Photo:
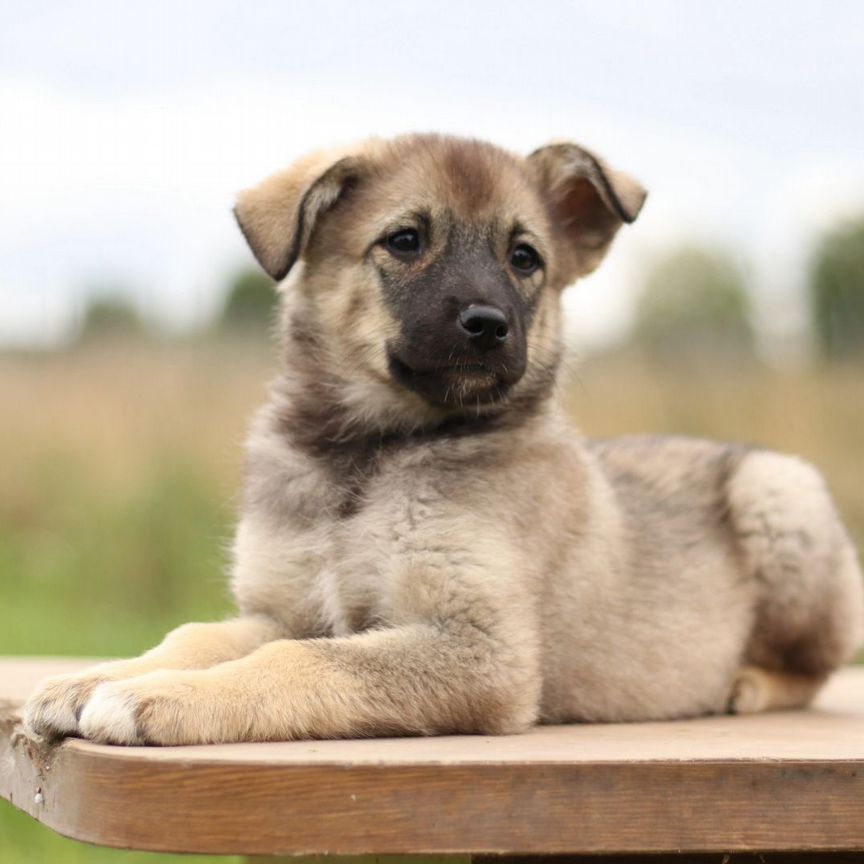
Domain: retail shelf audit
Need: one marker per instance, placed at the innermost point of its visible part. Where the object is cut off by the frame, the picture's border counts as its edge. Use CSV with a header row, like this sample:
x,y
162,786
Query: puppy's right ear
x,y
277,217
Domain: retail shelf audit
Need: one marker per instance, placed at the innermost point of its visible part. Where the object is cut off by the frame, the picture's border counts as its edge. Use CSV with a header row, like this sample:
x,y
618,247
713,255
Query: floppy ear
x,y
277,217
588,201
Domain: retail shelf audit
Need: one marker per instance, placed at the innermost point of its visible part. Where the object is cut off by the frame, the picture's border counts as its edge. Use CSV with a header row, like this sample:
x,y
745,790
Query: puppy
x,y
425,545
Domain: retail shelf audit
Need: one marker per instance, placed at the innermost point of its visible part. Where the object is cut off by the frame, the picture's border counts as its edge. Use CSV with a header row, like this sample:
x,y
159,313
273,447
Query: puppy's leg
x,y
757,690
56,705
810,613
417,679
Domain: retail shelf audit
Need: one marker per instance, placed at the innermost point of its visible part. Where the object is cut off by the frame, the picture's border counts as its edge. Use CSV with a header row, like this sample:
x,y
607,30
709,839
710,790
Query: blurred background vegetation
x,y
695,304
123,449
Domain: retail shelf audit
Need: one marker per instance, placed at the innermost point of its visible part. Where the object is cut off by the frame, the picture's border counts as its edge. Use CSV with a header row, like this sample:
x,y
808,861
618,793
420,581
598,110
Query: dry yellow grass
x,y
114,405
109,411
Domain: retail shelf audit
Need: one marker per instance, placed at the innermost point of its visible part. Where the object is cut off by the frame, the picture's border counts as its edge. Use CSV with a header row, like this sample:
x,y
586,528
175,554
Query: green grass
x,y
26,841
121,468
150,557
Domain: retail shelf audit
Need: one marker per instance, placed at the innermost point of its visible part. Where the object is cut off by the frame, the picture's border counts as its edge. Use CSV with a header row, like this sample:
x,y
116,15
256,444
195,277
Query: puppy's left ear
x,y
588,201
278,216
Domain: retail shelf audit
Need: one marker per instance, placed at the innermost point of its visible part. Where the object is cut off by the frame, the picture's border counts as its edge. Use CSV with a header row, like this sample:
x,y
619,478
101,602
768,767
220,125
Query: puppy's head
x,y
425,272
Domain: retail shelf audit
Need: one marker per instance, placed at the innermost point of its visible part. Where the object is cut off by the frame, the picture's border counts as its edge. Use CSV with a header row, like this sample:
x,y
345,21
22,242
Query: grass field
x,y
121,467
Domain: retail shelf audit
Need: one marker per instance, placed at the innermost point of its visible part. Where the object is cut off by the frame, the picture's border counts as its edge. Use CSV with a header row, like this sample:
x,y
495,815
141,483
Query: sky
x,y
128,129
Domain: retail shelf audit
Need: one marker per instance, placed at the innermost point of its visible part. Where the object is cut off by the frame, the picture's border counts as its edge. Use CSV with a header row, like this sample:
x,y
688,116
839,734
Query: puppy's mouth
x,y
457,384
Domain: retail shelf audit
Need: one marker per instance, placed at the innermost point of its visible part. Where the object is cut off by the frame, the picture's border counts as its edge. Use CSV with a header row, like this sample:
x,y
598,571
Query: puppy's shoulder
x,y
282,481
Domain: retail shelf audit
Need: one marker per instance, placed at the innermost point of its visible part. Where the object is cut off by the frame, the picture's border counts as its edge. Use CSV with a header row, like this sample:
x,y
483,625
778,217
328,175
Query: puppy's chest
x,y
367,528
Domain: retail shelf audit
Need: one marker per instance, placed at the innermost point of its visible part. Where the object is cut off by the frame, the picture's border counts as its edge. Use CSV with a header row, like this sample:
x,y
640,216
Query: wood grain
x,y
789,782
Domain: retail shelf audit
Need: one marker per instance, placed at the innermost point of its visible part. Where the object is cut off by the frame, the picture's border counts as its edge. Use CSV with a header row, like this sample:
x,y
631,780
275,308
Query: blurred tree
x,y
694,302
837,291
249,302
110,314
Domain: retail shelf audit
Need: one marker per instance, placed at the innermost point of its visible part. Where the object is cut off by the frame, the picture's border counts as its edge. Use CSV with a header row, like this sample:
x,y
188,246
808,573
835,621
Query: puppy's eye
x,y
404,242
525,259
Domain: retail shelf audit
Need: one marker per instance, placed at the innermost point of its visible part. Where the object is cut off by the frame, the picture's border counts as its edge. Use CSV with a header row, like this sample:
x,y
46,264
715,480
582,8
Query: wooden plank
x,y
780,782
709,858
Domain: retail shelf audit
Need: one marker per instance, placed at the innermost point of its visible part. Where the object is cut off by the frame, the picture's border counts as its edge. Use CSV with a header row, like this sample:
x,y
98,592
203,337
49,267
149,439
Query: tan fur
x,y
466,562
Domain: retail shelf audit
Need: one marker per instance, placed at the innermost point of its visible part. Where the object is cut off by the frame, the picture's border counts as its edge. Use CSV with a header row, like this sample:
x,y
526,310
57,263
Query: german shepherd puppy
x,y
426,546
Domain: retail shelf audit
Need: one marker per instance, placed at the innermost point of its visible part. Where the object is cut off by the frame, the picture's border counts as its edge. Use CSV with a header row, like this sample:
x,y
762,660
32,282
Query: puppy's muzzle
x,y
458,351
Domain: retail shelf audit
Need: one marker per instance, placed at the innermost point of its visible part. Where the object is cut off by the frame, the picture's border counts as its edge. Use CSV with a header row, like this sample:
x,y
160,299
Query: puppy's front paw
x,y
53,710
110,715
157,708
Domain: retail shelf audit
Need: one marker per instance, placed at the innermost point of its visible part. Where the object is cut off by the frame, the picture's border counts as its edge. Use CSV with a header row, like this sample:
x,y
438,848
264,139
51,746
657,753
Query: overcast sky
x,y
129,126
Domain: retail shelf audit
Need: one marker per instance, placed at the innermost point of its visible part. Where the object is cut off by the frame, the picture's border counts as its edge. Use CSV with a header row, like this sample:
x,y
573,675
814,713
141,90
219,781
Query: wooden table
x,y
773,783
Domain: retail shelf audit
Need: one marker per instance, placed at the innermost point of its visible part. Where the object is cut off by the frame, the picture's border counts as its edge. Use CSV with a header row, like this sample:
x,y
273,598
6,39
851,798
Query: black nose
x,y
485,326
